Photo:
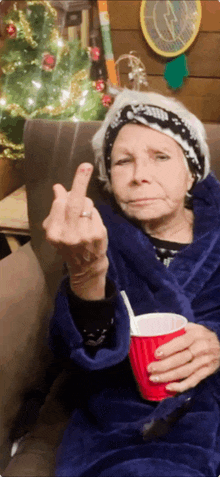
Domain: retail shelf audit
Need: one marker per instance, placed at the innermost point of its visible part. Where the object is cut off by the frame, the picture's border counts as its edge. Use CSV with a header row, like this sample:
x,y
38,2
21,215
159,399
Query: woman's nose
x,y
142,172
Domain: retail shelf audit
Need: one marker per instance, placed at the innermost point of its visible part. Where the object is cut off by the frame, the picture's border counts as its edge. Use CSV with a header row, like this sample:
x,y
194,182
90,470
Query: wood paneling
x,y
200,96
201,90
210,16
203,56
125,15
125,41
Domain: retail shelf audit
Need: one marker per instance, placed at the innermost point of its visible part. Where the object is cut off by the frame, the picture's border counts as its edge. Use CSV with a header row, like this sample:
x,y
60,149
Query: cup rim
x,y
150,315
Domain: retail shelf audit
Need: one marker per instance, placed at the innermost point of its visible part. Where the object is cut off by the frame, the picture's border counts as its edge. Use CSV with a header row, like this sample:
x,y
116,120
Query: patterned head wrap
x,y
164,121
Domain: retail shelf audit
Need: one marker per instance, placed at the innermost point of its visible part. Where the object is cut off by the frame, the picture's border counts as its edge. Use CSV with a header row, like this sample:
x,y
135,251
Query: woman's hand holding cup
x,y
153,332
186,360
75,227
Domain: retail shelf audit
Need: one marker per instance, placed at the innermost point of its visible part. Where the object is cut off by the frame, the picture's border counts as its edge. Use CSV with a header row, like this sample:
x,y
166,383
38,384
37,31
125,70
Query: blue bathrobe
x,y
113,430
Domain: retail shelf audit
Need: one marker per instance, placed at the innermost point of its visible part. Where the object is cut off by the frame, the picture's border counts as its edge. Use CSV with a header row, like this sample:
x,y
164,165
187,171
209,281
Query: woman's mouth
x,y
142,201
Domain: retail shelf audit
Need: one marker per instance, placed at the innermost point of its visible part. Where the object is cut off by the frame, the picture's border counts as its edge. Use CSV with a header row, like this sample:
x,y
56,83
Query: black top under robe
x,y
96,318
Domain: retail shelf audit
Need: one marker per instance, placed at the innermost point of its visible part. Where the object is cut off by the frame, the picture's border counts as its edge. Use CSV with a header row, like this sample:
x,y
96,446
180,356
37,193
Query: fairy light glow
x,y
82,102
65,95
37,84
2,102
30,101
60,42
86,91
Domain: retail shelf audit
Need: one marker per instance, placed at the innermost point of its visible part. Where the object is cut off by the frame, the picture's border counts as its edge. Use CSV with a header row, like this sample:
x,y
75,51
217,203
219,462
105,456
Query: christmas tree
x,y
44,76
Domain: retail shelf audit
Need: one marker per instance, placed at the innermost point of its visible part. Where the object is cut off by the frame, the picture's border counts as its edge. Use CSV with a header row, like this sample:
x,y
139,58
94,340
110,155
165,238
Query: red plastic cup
x,y
155,329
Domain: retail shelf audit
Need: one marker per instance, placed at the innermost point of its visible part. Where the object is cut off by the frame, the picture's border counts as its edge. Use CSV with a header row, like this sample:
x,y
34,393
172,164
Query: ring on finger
x,y
86,214
191,356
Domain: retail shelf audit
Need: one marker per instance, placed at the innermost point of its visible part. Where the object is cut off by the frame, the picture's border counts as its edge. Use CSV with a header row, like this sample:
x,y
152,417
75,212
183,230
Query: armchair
x,y
29,281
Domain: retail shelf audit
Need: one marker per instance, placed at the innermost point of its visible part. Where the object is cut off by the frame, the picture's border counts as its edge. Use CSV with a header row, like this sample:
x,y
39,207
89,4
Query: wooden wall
x,y
201,90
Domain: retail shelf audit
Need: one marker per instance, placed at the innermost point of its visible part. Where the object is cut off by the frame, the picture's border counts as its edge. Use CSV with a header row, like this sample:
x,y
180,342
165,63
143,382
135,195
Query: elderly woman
x,y
157,238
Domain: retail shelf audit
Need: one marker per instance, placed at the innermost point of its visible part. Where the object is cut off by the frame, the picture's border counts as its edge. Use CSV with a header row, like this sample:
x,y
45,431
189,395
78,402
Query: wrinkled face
x,y
149,175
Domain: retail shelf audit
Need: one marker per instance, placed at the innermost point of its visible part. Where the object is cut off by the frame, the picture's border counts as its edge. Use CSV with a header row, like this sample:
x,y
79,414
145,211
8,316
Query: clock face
x,y
170,26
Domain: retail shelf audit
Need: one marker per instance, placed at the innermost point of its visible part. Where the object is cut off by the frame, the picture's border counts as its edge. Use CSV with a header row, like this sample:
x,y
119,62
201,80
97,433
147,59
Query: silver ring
x,y
86,214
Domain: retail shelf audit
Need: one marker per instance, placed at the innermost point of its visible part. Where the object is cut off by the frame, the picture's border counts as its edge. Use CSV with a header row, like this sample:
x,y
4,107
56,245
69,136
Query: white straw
x,y
133,324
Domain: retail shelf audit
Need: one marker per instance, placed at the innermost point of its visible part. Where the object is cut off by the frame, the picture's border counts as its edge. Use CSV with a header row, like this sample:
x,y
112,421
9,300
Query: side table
x,y
14,217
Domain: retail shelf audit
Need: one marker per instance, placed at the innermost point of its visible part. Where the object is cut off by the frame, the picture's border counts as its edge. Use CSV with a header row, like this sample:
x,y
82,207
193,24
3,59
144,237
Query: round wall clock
x,y
170,26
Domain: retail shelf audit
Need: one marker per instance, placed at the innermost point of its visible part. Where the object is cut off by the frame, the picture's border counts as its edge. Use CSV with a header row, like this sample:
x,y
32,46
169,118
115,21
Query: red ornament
x,y
11,30
48,62
106,100
95,53
100,85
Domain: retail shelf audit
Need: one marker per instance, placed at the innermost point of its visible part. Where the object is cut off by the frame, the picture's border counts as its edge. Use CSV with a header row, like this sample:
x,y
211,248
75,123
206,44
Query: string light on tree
x,y
82,101
65,96
37,84
60,42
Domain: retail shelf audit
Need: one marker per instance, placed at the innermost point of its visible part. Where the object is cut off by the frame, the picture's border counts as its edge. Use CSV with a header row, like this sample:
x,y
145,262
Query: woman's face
x,y
149,176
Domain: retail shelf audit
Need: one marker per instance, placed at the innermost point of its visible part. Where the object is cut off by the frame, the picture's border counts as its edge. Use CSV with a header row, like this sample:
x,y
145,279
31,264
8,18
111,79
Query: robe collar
x,y
193,265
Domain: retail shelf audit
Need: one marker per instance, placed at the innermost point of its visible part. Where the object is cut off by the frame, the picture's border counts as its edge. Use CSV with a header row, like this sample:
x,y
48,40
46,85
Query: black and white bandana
x,y
163,121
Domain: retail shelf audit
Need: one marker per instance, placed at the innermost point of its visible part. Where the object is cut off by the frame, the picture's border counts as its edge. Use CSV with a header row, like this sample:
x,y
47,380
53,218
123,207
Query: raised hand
x,y
75,227
189,358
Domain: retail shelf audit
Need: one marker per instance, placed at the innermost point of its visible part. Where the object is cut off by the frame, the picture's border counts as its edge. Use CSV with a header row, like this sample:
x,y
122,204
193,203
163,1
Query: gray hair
x,y
128,97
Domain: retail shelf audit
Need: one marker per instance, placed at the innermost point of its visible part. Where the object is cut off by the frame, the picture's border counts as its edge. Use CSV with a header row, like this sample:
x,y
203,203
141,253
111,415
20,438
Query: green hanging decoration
x,y
170,27
175,71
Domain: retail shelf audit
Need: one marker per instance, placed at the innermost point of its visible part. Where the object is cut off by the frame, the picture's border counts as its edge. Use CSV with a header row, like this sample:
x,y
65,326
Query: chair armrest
x,y
36,455
25,307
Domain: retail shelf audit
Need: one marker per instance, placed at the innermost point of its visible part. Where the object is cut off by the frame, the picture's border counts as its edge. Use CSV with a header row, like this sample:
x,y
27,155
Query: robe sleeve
x,y
94,319
207,313
66,341
206,304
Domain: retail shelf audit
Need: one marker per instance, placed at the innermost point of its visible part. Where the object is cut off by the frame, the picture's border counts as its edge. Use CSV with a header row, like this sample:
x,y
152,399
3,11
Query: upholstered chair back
x,y
53,150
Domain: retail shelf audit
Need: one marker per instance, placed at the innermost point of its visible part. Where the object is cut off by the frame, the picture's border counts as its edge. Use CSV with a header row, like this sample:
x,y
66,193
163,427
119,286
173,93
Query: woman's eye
x,y
120,162
162,156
